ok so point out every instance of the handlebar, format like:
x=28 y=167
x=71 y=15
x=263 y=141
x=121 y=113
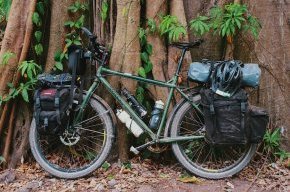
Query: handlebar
x=88 y=33
x=96 y=48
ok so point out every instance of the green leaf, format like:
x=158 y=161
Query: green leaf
x=148 y=67
x=149 y=49
x=57 y=55
x=38 y=35
x=6 y=57
x=140 y=94
x=38 y=49
x=77 y=42
x=10 y=85
x=36 y=19
x=80 y=22
x=152 y=25
x=144 y=57
x=106 y=165
x=59 y=66
x=24 y=94
x=40 y=8
x=104 y=11
x=69 y=23
x=141 y=72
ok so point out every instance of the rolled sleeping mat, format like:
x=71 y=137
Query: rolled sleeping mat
x=199 y=72
x=251 y=75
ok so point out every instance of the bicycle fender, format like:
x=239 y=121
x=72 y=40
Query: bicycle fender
x=107 y=107
x=194 y=91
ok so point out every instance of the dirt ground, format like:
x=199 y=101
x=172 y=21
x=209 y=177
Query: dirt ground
x=146 y=176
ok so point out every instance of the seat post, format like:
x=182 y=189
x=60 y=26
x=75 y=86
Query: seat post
x=180 y=61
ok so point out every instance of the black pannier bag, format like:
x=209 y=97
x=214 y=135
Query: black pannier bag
x=257 y=121
x=225 y=117
x=50 y=109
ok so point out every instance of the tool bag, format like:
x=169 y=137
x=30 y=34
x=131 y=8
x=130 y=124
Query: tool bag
x=50 y=109
x=225 y=117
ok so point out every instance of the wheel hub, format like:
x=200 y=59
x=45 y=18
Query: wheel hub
x=69 y=139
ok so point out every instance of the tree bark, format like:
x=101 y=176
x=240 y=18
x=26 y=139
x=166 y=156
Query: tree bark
x=16 y=40
x=59 y=15
x=272 y=52
x=212 y=47
x=20 y=135
x=125 y=57
x=159 y=55
x=177 y=9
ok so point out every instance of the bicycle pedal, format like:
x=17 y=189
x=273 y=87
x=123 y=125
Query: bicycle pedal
x=134 y=150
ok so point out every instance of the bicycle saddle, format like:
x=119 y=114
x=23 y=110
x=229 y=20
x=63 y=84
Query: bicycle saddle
x=186 y=45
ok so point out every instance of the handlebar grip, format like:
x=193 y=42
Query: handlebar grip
x=87 y=32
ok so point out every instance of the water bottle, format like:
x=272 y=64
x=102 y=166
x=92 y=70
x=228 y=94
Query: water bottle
x=156 y=114
x=130 y=123
x=140 y=109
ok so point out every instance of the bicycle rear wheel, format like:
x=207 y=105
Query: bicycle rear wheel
x=201 y=158
x=75 y=154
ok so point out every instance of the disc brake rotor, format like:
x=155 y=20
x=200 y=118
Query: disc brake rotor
x=69 y=139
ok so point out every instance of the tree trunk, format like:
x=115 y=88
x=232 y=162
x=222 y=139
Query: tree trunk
x=125 y=57
x=272 y=52
x=177 y=9
x=159 y=55
x=59 y=15
x=212 y=47
x=16 y=40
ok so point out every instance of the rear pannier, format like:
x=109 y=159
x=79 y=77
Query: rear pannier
x=257 y=121
x=225 y=117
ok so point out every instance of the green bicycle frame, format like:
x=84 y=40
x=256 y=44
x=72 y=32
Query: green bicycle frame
x=172 y=85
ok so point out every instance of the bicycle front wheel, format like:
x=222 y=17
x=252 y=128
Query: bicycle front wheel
x=199 y=157
x=74 y=154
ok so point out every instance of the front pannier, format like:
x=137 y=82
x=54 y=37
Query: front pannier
x=50 y=107
x=225 y=117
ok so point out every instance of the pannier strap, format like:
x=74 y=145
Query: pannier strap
x=57 y=106
x=37 y=106
x=243 y=111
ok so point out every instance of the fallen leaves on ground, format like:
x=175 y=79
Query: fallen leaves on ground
x=192 y=179
x=144 y=175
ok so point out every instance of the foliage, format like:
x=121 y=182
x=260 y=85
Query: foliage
x=29 y=71
x=272 y=144
x=106 y=165
x=6 y=57
x=147 y=66
x=104 y=11
x=78 y=6
x=199 y=26
x=36 y=19
x=73 y=37
x=4 y=9
x=226 y=21
x=233 y=17
x=127 y=165
x=172 y=28
x=152 y=25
